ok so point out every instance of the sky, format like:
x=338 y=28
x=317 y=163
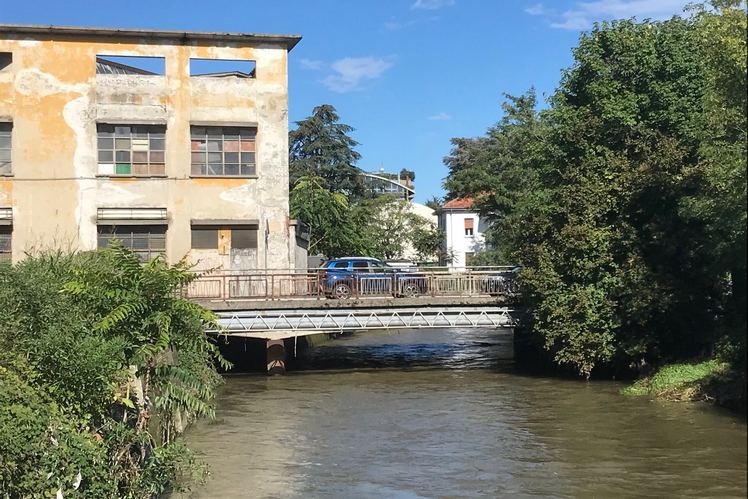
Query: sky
x=407 y=75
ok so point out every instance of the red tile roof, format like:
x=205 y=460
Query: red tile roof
x=459 y=203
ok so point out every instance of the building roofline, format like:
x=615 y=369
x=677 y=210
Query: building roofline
x=289 y=41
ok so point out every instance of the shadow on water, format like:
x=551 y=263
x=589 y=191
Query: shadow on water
x=403 y=349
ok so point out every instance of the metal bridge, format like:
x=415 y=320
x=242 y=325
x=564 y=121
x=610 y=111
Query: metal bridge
x=279 y=324
x=276 y=306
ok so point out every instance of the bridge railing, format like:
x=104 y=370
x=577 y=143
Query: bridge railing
x=317 y=284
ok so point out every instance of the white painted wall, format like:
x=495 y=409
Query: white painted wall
x=453 y=223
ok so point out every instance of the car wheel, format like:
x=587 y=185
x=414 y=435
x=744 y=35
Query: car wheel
x=342 y=291
x=410 y=290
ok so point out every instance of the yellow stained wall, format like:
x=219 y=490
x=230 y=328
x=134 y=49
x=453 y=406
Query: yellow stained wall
x=54 y=98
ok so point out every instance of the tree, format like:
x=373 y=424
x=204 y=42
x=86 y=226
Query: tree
x=407 y=174
x=332 y=231
x=434 y=202
x=321 y=147
x=625 y=199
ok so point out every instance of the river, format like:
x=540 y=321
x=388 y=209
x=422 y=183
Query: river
x=443 y=414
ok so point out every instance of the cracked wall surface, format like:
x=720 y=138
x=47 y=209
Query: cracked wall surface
x=55 y=99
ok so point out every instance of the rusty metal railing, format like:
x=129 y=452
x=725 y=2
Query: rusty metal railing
x=319 y=284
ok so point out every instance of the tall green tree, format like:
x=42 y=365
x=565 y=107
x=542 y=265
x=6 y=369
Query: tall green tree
x=321 y=146
x=625 y=200
x=333 y=229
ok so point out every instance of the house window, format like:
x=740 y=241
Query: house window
x=6 y=232
x=223 y=151
x=469 y=226
x=5 y=135
x=147 y=241
x=137 y=150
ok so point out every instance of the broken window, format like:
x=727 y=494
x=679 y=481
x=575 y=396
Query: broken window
x=131 y=150
x=222 y=68
x=6 y=130
x=223 y=151
x=130 y=65
x=6 y=233
x=218 y=237
x=146 y=241
x=6 y=58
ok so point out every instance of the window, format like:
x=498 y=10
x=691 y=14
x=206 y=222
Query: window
x=6 y=58
x=340 y=265
x=147 y=241
x=131 y=150
x=204 y=238
x=243 y=238
x=222 y=68
x=362 y=267
x=130 y=65
x=223 y=151
x=211 y=237
x=6 y=232
x=469 y=226
x=5 y=136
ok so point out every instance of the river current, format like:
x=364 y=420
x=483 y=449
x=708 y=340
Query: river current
x=443 y=414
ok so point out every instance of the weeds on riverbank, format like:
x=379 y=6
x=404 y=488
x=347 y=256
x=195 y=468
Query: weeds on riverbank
x=705 y=381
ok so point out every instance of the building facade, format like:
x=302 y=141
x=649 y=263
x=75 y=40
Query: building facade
x=463 y=232
x=155 y=153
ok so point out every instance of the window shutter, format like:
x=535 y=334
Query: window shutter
x=469 y=223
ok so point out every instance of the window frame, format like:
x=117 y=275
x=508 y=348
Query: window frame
x=9 y=134
x=137 y=132
x=204 y=168
x=150 y=251
x=6 y=237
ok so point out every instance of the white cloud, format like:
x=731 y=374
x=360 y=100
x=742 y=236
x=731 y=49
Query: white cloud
x=432 y=4
x=584 y=14
x=394 y=25
x=311 y=64
x=351 y=72
x=440 y=117
x=536 y=10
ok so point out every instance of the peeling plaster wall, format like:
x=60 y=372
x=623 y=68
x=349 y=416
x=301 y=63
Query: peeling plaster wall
x=54 y=97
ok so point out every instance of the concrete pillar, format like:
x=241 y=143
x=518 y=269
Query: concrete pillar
x=276 y=357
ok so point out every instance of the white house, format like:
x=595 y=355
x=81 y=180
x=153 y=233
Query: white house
x=463 y=229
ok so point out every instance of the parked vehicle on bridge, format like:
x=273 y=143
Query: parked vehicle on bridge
x=501 y=283
x=344 y=278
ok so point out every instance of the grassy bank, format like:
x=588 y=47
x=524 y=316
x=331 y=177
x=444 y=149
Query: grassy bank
x=709 y=381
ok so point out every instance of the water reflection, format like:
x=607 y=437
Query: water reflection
x=445 y=416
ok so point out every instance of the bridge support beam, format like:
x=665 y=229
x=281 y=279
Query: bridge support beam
x=276 y=357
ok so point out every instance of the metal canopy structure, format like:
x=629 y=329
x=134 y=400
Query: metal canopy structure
x=288 y=323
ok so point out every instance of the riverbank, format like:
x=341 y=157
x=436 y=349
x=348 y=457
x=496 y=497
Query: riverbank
x=708 y=381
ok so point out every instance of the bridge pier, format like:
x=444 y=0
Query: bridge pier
x=276 y=357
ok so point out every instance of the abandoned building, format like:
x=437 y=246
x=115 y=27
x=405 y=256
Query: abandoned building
x=172 y=142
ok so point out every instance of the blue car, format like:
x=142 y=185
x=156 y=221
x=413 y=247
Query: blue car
x=344 y=278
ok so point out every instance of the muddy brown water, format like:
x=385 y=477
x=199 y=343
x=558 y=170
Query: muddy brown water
x=443 y=414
